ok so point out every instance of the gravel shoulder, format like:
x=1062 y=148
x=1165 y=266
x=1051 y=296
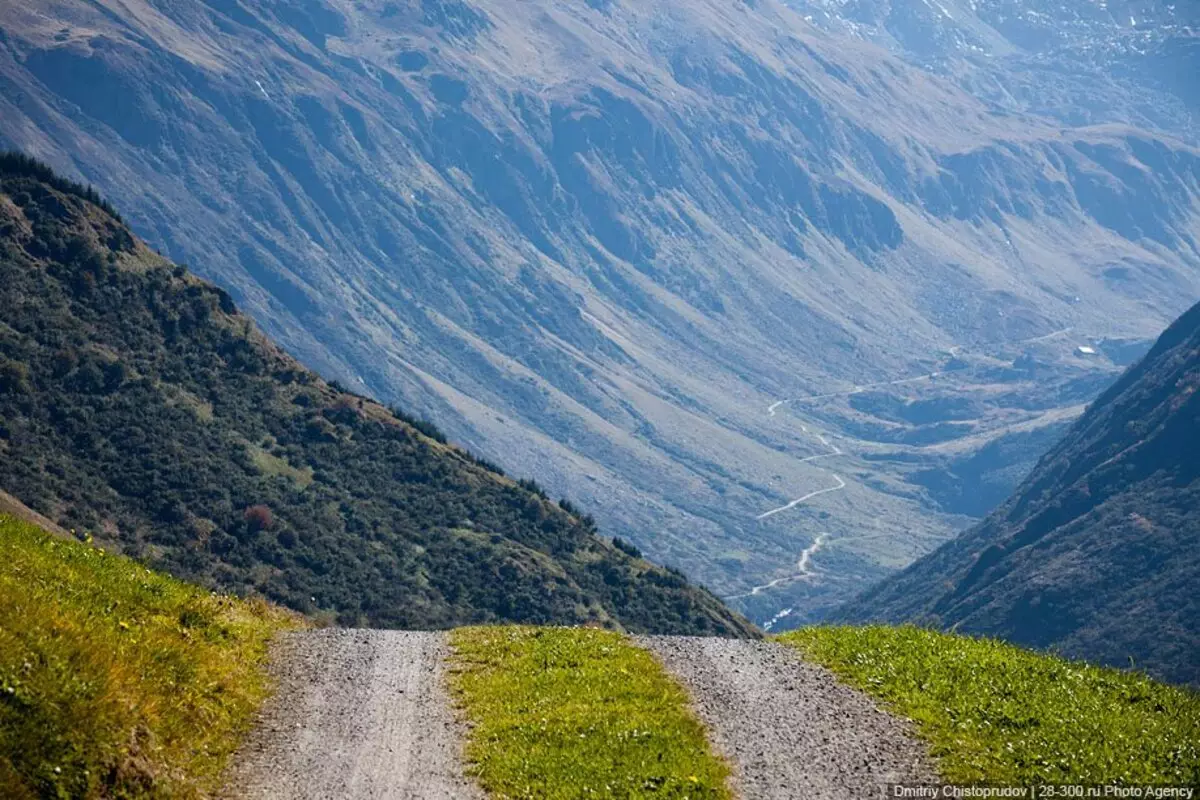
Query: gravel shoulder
x=358 y=714
x=788 y=728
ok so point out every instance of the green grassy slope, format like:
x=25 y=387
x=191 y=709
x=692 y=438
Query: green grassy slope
x=138 y=404
x=577 y=712
x=116 y=681
x=1094 y=555
x=997 y=713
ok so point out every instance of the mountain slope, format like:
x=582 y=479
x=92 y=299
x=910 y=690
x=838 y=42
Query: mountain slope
x=1095 y=554
x=137 y=403
x=600 y=243
x=1092 y=61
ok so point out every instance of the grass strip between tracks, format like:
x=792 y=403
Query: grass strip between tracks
x=116 y=681
x=998 y=713
x=577 y=712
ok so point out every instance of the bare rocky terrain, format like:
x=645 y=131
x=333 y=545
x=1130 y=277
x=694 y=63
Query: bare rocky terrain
x=649 y=255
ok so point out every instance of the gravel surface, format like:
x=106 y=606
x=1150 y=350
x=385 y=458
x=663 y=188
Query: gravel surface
x=788 y=727
x=358 y=714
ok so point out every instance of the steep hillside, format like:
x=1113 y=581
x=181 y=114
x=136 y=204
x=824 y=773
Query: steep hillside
x=687 y=262
x=1096 y=553
x=1092 y=61
x=138 y=405
x=116 y=681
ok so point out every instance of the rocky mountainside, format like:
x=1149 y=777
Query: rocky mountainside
x=1080 y=61
x=1095 y=554
x=139 y=407
x=782 y=305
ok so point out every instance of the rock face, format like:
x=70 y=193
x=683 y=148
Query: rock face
x=599 y=242
x=1095 y=553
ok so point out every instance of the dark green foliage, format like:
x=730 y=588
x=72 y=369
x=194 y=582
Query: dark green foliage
x=423 y=425
x=136 y=403
x=488 y=465
x=19 y=164
x=626 y=547
x=530 y=485
x=1095 y=555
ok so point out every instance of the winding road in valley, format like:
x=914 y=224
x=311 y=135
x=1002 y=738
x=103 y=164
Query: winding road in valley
x=833 y=450
x=841 y=484
x=801 y=566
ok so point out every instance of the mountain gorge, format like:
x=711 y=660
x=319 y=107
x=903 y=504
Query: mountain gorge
x=1094 y=555
x=782 y=302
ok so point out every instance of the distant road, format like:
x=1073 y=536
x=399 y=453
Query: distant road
x=1045 y=337
x=861 y=388
x=834 y=450
x=802 y=570
x=841 y=484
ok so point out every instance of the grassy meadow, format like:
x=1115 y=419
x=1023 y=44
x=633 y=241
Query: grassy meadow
x=577 y=712
x=1002 y=714
x=116 y=681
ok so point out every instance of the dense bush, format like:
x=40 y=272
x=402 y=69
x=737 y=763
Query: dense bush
x=626 y=547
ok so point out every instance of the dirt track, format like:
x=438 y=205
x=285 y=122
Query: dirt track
x=363 y=714
x=358 y=714
x=789 y=729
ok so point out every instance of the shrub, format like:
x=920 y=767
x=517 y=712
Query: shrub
x=627 y=548
x=258 y=518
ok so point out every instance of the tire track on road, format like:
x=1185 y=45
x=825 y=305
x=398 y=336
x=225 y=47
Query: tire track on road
x=359 y=715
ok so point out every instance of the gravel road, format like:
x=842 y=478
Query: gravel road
x=357 y=714
x=363 y=714
x=788 y=728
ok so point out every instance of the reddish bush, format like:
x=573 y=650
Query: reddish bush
x=259 y=518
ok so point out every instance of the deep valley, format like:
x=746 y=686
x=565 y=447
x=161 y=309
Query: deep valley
x=685 y=263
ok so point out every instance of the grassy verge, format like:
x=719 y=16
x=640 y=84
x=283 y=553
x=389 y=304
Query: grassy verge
x=577 y=712
x=998 y=713
x=116 y=681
